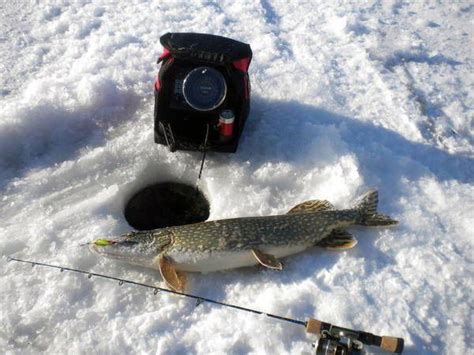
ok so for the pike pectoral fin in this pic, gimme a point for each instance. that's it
(339, 239)
(267, 260)
(312, 206)
(175, 279)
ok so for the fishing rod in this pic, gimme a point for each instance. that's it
(333, 340)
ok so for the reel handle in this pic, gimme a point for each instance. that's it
(385, 343)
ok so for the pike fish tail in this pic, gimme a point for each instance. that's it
(368, 215)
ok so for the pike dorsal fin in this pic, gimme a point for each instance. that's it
(339, 239)
(267, 260)
(175, 279)
(312, 206)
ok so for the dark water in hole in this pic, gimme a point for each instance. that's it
(166, 204)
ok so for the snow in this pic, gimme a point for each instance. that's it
(345, 97)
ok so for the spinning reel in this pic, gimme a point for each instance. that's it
(334, 340)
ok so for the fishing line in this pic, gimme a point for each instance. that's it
(204, 152)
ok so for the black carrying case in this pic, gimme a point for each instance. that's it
(178, 125)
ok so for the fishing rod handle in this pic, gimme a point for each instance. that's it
(314, 326)
(392, 344)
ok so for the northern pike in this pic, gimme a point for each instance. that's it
(239, 242)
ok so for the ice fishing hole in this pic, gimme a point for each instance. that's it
(166, 204)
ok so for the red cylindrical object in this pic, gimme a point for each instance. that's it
(226, 124)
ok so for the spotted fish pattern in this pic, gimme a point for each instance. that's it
(237, 242)
(253, 232)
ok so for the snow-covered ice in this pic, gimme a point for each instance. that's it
(346, 96)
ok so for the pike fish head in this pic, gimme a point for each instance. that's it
(139, 248)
